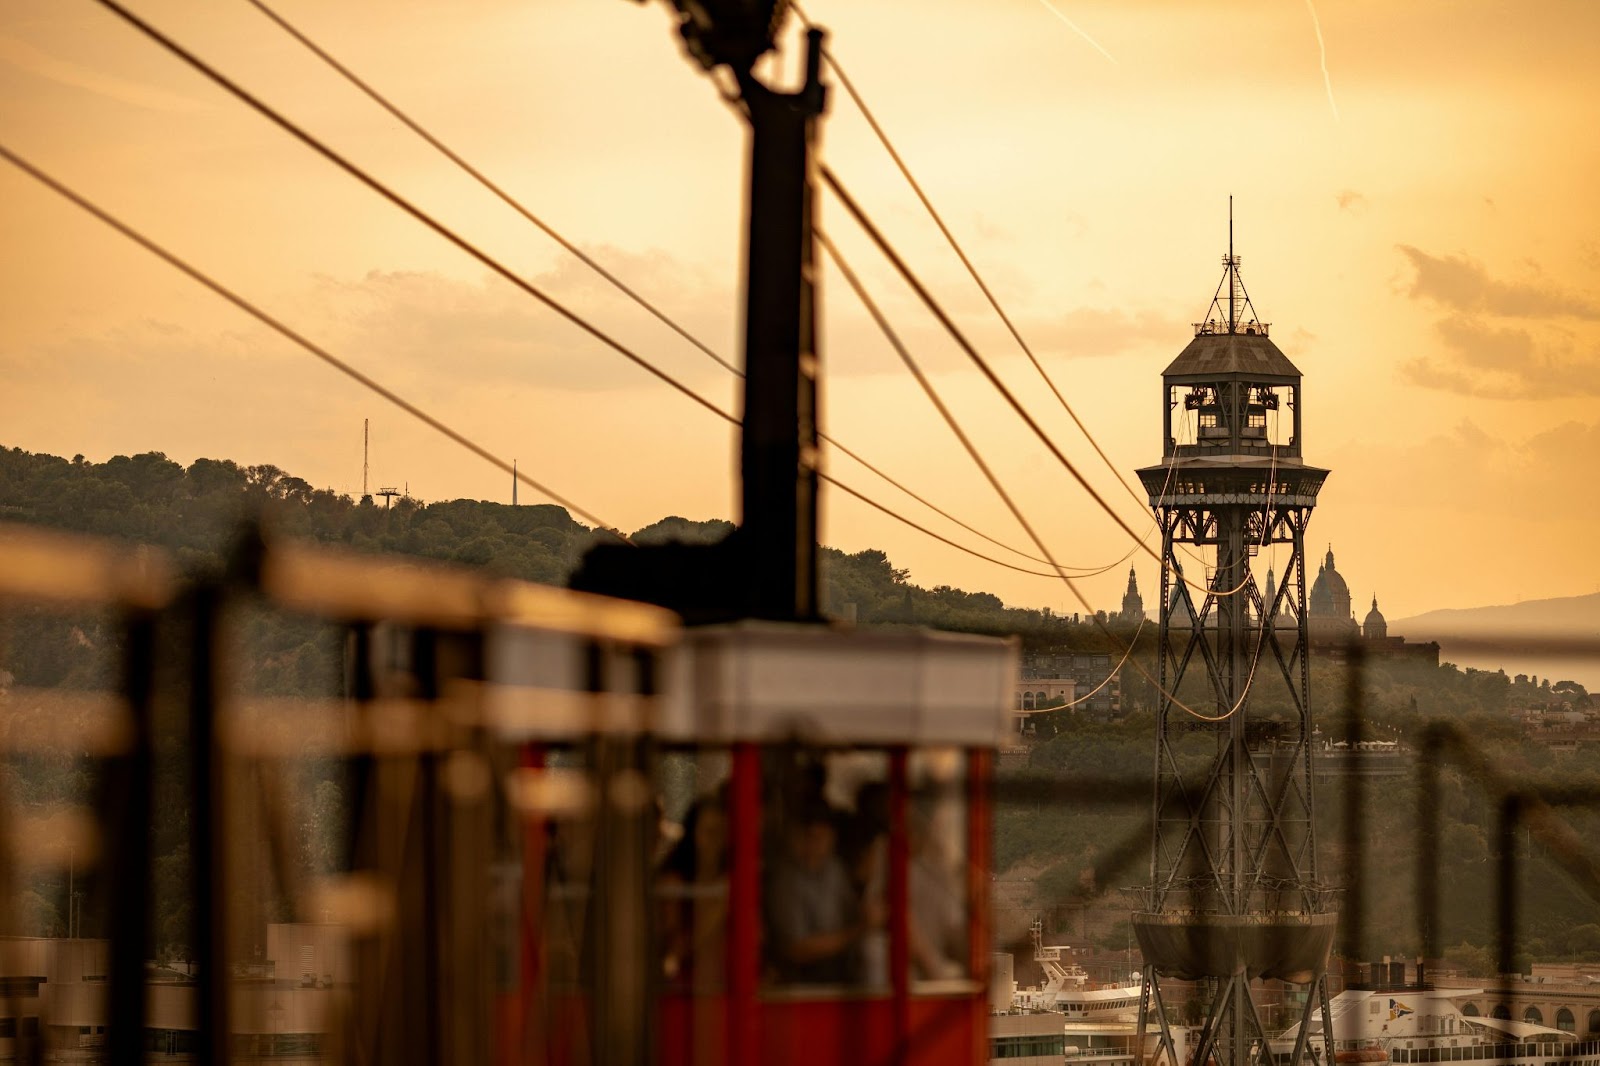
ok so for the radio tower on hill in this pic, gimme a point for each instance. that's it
(1234, 893)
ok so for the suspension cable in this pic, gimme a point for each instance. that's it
(588, 260)
(277, 325)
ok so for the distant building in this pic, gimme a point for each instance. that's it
(1333, 623)
(1132, 612)
(1331, 617)
(1083, 681)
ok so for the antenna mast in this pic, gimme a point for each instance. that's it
(1240, 315)
(366, 426)
(1233, 275)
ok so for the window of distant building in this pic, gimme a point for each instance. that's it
(1534, 1015)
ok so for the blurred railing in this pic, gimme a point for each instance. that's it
(414, 723)
(424, 724)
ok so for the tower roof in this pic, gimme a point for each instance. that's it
(1232, 340)
(1253, 355)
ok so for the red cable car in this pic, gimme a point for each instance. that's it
(768, 844)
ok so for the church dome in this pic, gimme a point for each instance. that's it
(1375, 627)
(1330, 596)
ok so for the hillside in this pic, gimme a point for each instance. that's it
(194, 511)
(1565, 618)
(1065, 862)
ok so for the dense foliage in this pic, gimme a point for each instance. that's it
(1075, 855)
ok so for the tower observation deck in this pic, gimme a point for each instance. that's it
(1234, 892)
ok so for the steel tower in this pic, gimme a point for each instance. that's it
(1234, 894)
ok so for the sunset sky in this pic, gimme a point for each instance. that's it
(1421, 227)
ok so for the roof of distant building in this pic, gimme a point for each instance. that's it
(1375, 616)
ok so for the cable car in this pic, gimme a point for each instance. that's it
(776, 854)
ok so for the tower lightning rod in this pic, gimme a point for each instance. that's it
(1233, 274)
(366, 437)
(513, 482)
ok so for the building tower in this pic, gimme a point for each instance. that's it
(1132, 603)
(1234, 895)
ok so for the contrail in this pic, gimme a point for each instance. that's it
(1322, 50)
(1056, 11)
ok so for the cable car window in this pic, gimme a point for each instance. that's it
(691, 884)
(826, 863)
(938, 929)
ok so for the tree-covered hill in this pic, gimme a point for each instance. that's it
(193, 512)
(1073, 857)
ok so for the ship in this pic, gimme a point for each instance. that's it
(1066, 988)
(1417, 1026)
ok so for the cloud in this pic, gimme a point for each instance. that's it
(488, 330)
(41, 64)
(1487, 347)
(1514, 340)
(1463, 284)
(1096, 331)
(1507, 362)
(1351, 200)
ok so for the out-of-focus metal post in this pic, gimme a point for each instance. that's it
(127, 809)
(899, 904)
(420, 875)
(779, 454)
(1353, 916)
(467, 782)
(625, 817)
(204, 605)
(1506, 894)
(1433, 740)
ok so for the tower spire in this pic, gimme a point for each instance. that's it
(1233, 270)
(1239, 316)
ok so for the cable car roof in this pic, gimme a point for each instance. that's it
(770, 682)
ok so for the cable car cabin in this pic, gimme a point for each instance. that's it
(779, 855)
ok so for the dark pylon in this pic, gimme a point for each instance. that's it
(1234, 893)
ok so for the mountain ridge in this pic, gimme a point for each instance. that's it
(1522, 624)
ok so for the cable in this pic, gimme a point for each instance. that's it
(300, 134)
(977, 457)
(831, 179)
(373, 183)
(933, 396)
(938, 312)
(870, 502)
(266, 318)
(582, 256)
(460, 242)
(971, 268)
(482, 179)
(872, 231)
(973, 452)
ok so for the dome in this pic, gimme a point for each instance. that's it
(1375, 616)
(1375, 627)
(1330, 596)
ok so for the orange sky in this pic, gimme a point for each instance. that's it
(1428, 254)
